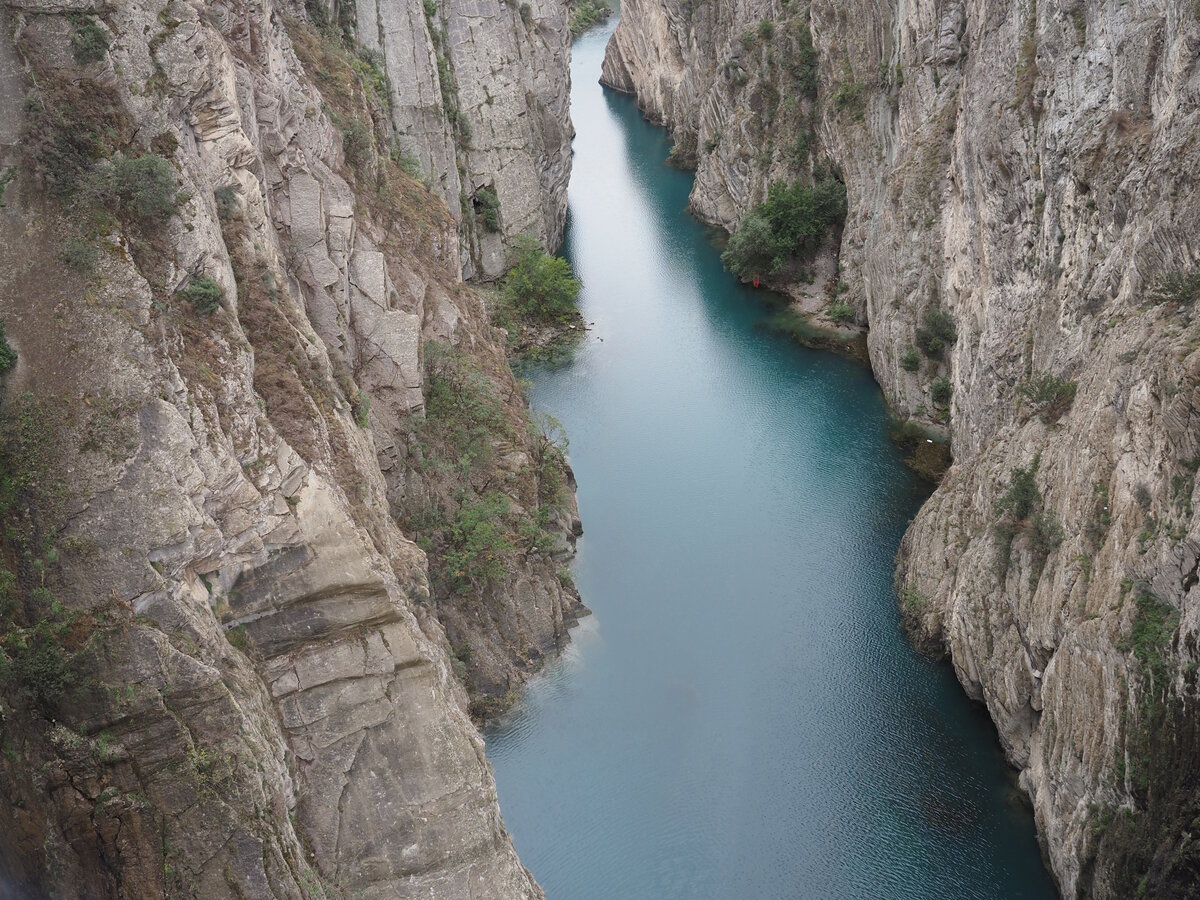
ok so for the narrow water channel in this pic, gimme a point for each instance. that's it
(742, 717)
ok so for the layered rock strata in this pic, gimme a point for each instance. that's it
(222, 669)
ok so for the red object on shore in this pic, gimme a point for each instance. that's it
(756, 281)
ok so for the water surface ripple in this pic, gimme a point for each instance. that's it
(741, 718)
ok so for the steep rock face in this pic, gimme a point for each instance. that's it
(480, 96)
(221, 672)
(1025, 169)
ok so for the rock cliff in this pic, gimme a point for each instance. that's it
(226, 667)
(1020, 189)
(480, 95)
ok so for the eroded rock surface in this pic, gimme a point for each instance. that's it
(260, 696)
(480, 97)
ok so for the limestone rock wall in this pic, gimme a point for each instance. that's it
(1027, 169)
(480, 96)
(259, 697)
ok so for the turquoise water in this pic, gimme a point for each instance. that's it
(742, 717)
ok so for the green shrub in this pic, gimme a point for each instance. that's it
(766, 30)
(462, 413)
(941, 391)
(1020, 511)
(1078, 16)
(1150, 637)
(71, 127)
(90, 42)
(1096, 529)
(360, 405)
(1050, 395)
(317, 13)
(8, 356)
(912, 601)
(1045, 533)
(368, 65)
(357, 141)
(910, 360)
(1022, 496)
(144, 187)
(479, 543)
(487, 208)
(406, 160)
(540, 286)
(803, 65)
(203, 293)
(226, 198)
(526, 13)
(840, 311)
(849, 97)
(935, 333)
(790, 224)
(6, 178)
(37, 663)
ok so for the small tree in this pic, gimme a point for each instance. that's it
(1050, 395)
(144, 187)
(538, 285)
(203, 293)
(941, 391)
(479, 543)
(90, 42)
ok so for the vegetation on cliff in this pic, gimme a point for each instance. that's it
(537, 303)
(787, 228)
(585, 14)
(1020, 511)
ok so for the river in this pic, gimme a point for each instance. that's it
(742, 716)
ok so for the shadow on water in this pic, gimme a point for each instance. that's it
(741, 718)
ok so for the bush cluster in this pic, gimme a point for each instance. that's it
(936, 332)
(478, 543)
(840, 311)
(89, 42)
(1182, 288)
(37, 635)
(539, 286)
(1049, 395)
(203, 293)
(941, 391)
(1021, 511)
(144, 186)
(473, 532)
(487, 208)
(789, 225)
(586, 13)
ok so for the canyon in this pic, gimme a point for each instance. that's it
(1023, 170)
(280, 526)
